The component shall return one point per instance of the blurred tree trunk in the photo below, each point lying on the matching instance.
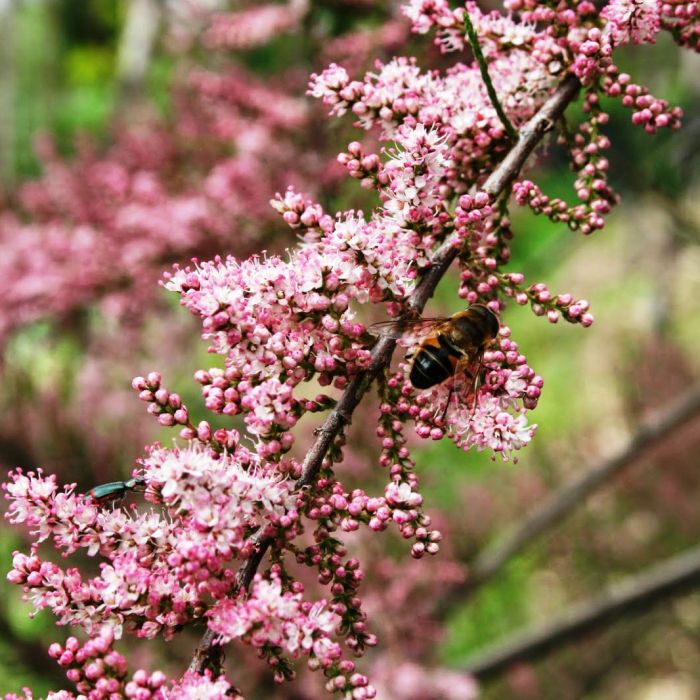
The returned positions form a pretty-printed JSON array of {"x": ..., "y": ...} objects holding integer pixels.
[
  {"x": 138, "y": 38},
  {"x": 7, "y": 92}
]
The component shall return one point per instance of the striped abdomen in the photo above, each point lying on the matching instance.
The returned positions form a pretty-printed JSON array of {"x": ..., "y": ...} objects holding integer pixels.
[{"x": 433, "y": 363}]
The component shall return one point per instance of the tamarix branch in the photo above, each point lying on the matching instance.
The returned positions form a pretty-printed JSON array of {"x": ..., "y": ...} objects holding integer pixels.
[{"x": 239, "y": 524}]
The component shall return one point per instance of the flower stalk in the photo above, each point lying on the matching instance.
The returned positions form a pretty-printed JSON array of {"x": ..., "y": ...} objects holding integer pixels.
[{"x": 483, "y": 67}]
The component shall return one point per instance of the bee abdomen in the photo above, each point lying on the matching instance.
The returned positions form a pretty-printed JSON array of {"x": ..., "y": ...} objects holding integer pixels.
[{"x": 431, "y": 366}]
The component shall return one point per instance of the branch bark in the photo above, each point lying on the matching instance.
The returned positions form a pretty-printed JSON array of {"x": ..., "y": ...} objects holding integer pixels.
[
  {"x": 563, "y": 501},
  {"x": 206, "y": 655},
  {"x": 634, "y": 595}
]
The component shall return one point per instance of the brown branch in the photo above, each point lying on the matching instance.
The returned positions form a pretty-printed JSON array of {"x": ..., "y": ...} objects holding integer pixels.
[
  {"x": 635, "y": 595},
  {"x": 497, "y": 183},
  {"x": 572, "y": 494}
]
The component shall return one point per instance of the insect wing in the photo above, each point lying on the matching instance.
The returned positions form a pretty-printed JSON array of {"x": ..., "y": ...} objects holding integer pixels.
[
  {"x": 409, "y": 330},
  {"x": 468, "y": 375}
]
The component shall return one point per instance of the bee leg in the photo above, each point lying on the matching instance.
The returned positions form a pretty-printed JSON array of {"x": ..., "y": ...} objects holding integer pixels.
[
  {"x": 477, "y": 376},
  {"x": 447, "y": 403},
  {"x": 411, "y": 314}
]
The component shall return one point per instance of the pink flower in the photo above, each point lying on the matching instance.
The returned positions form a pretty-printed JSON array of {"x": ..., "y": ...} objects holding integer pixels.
[
  {"x": 416, "y": 172},
  {"x": 424, "y": 14},
  {"x": 270, "y": 617},
  {"x": 192, "y": 685},
  {"x": 329, "y": 86},
  {"x": 494, "y": 426}
]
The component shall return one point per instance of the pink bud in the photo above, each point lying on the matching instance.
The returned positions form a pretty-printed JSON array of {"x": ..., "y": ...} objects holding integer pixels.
[
  {"x": 35, "y": 579},
  {"x": 66, "y": 658},
  {"x": 16, "y": 577},
  {"x": 481, "y": 199},
  {"x": 180, "y": 416},
  {"x": 417, "y": 550}
]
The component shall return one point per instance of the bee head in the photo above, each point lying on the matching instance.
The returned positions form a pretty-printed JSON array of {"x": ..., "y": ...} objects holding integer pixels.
[{"x": 491, "y": 323}]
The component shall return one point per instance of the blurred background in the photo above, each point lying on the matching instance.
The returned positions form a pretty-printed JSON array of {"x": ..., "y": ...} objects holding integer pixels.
[{"x": 136, "y": 134}]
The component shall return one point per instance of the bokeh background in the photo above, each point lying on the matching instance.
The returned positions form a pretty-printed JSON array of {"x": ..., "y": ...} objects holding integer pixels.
[{"x": 135, "y": 134}]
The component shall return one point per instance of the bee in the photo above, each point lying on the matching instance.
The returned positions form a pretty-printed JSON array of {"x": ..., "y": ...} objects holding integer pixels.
[
  {"x": 114, "y": 490},
  {"x": 450, "y": 346}
]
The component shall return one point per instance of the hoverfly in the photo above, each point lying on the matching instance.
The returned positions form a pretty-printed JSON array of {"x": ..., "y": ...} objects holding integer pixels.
[
  {"x": 449, "y": 346},
  {"x": 114, "y": 490}
]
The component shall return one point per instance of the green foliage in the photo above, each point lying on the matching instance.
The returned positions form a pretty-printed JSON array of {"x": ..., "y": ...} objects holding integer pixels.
[
  {"x": 89, "y": 21},
  {"x": 15, "y": 614},
  {"x": 494, "y": 611},
  {"x": 65, "y": 59}
]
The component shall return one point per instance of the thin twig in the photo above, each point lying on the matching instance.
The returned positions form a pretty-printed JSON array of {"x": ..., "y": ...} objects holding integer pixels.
[
  {"x": 636, "y": 594},
  {"x": 497, "y": 183},
  {"x": 483, "y": 67},
  {"x": 572, "y": 494}
]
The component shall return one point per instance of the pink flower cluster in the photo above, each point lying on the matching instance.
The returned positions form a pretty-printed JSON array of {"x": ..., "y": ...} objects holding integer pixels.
[
  {"x": 103, "y": 226},
  {"x": 100, "y": 673},
  {"x": 281, "y": 322},
  {"x": 161, "y": 572},
  {"x": 680, "y": 18},
  {"x": 636, "y": 21},
  {"x": 415, "y": 175},
  {"x": 272, "y": 619},
  {"x": 446, "y": 131},
  {"x": 253, "y": 26},
  {"x": 278, "y": 323}
]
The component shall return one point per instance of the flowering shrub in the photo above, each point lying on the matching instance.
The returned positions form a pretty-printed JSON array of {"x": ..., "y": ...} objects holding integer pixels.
[
  {"x": 85, "y": 243},
  {"x": 100, "y": 228},
  {"x": 286, "y": 324}
]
